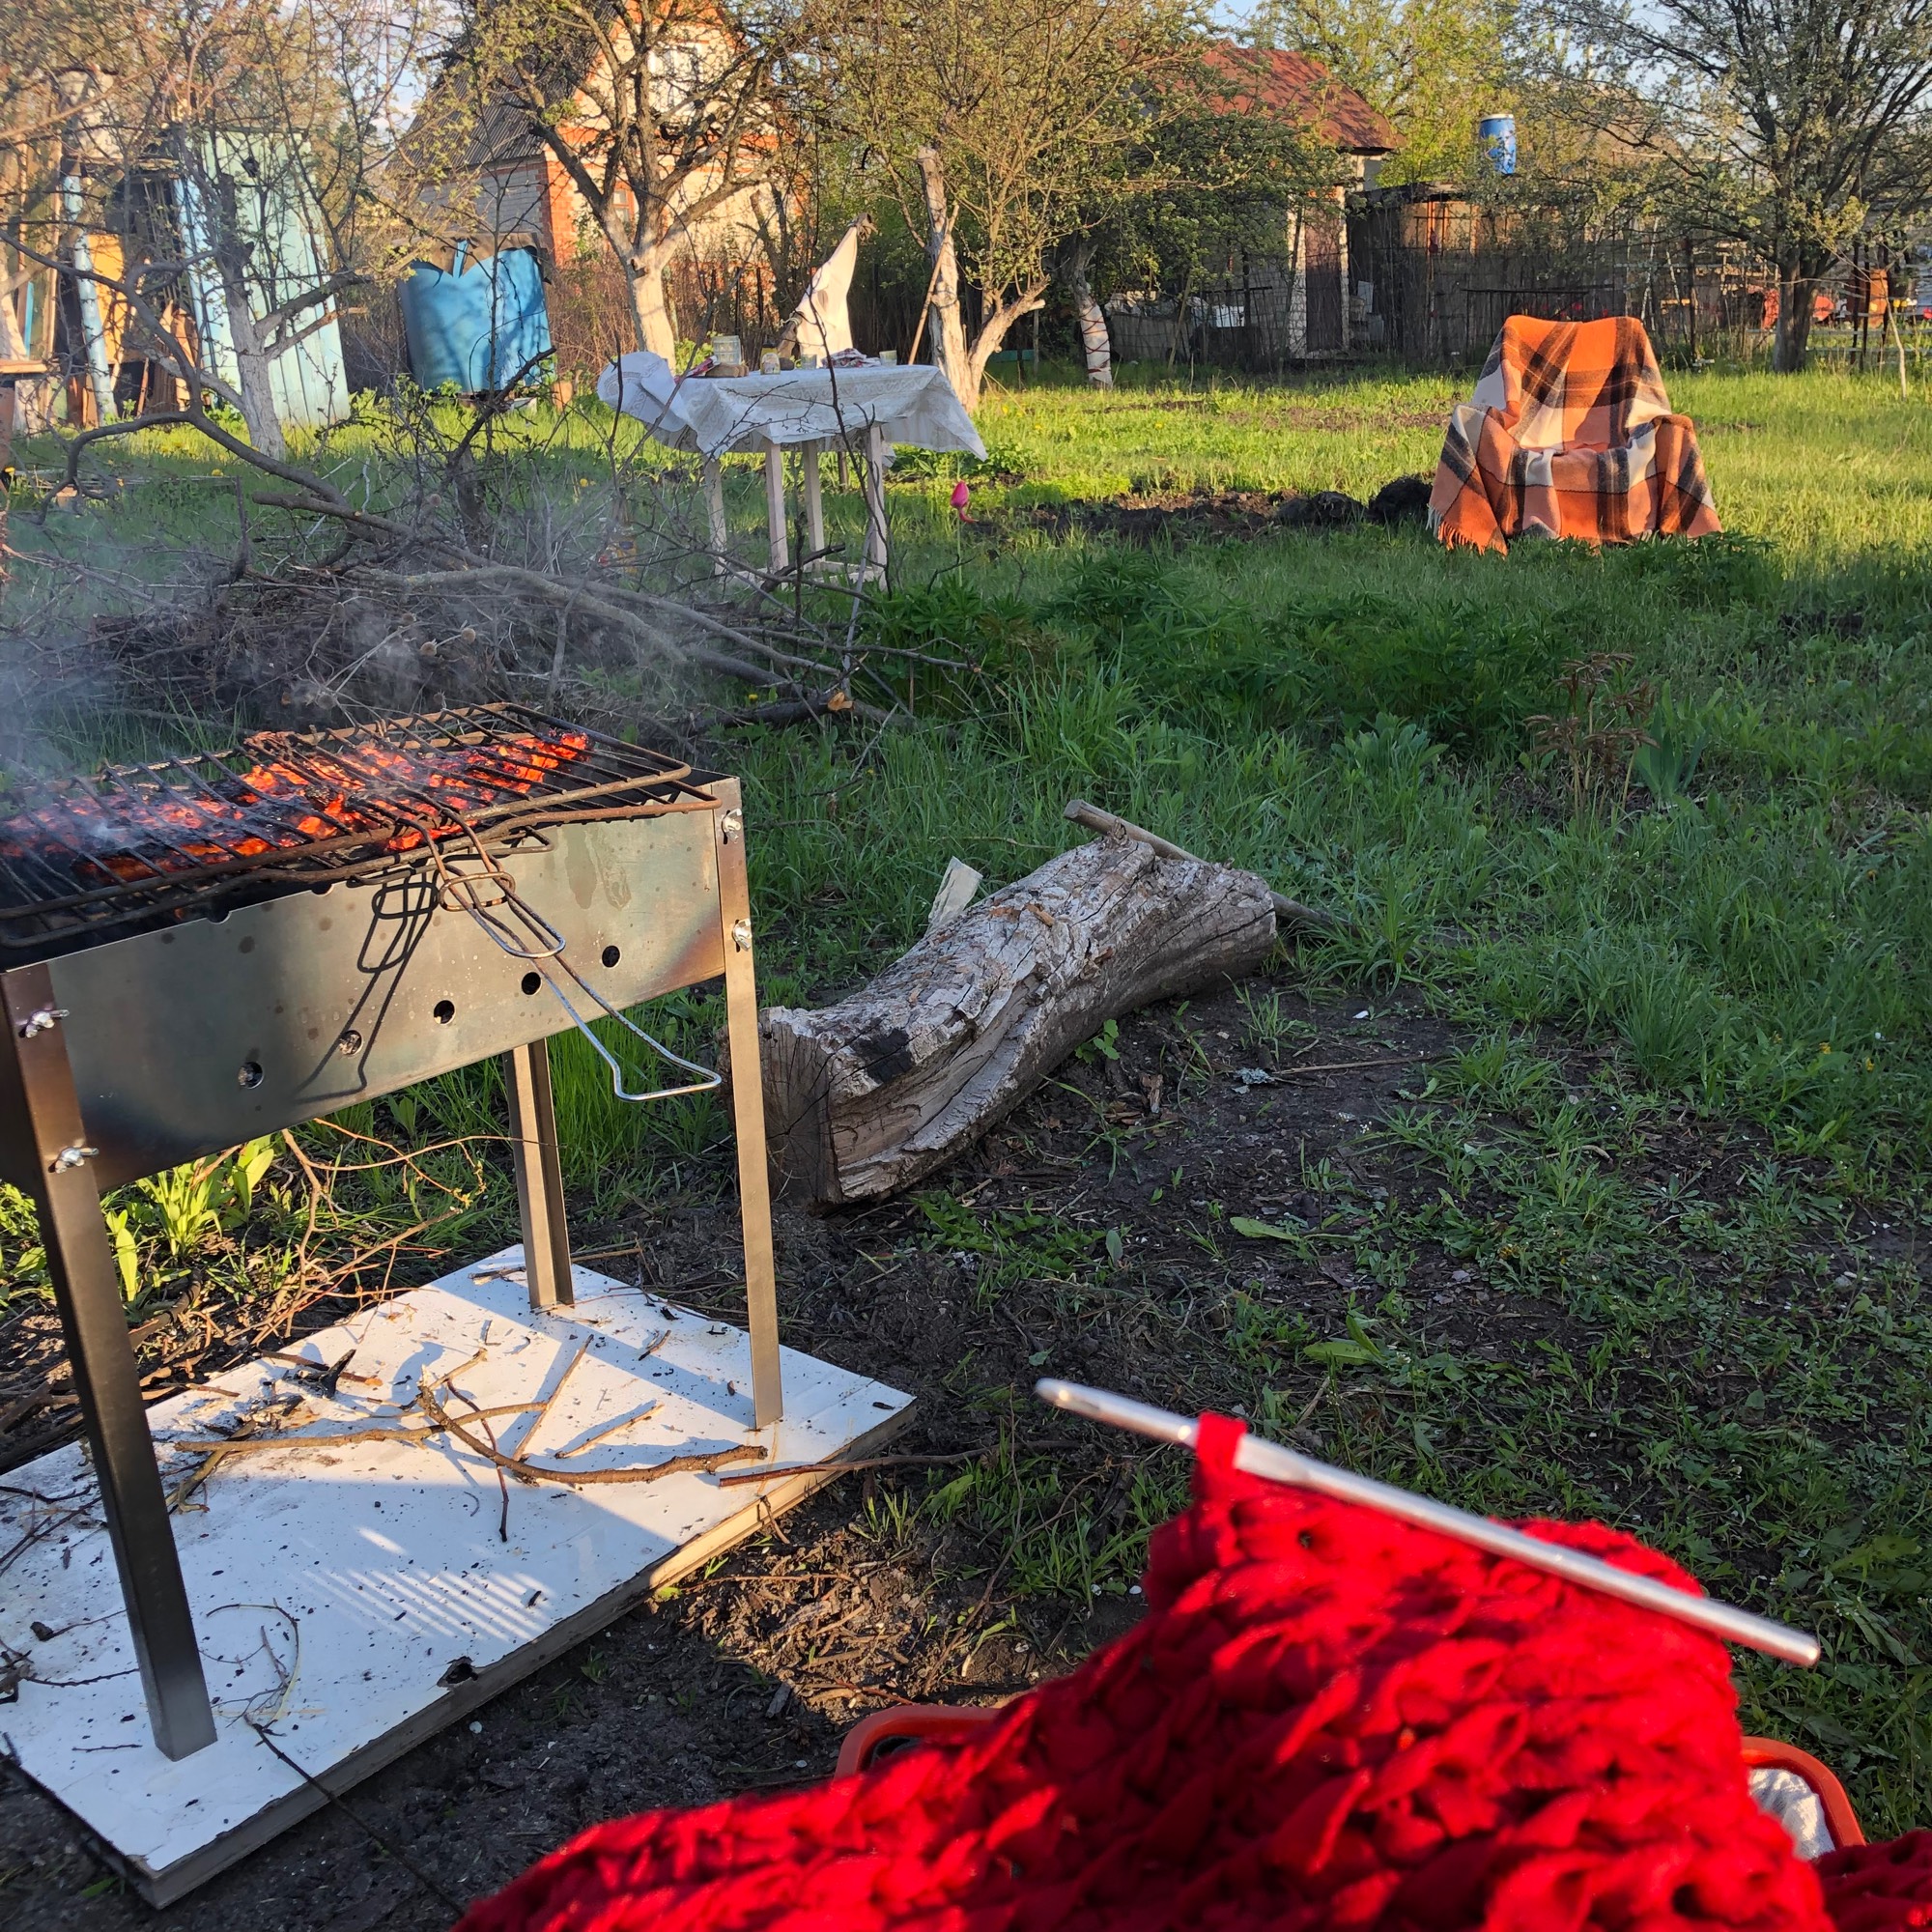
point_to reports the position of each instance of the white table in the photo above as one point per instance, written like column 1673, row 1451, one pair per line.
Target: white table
column 863, row 411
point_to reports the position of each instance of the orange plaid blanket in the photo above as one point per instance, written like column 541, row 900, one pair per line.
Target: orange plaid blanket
column 1570, row 434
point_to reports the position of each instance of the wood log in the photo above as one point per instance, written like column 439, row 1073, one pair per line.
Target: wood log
column 863, row 1097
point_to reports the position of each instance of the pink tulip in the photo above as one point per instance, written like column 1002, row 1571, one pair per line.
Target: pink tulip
column 962, row 495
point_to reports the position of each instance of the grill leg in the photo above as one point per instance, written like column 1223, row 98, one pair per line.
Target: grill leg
column 748, row 1109
column 87, row 1291
column 539, row 1175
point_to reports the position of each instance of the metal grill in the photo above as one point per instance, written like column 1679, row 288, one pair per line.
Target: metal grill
column 138, row 845
column 200, row 951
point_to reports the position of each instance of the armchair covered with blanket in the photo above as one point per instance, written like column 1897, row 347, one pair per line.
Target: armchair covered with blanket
column 1570, row 434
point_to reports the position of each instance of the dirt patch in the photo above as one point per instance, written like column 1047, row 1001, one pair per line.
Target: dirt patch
column 1208, row 515
column 1092, row 1235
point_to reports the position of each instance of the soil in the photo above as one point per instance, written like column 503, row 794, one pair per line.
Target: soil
column 1145, row 520
column 747, row 1678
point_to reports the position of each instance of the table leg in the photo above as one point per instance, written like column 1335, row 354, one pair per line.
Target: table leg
column 775, row 507
column 875, row 500
column 812, row 488
column 714, row 512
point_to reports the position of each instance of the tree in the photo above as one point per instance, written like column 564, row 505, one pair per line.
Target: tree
column 1216, row 172
column 663, row 114
column 1432, row 66
column 1785, row 124
column 994, row 129
column 232, row 148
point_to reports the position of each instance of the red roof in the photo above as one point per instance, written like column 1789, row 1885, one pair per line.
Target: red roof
column 1304, row 91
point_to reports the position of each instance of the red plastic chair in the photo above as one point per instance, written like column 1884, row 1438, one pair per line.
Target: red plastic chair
column 873, row 1737
column 884, row 1731
column 1840, row 1820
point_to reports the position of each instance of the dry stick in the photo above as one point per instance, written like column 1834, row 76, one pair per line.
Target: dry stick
column 673, row 1465
column 1294, row 1072
column 837, row 1468
column 324, row 1439
column 502, row 1481
column 421, row 1877
column 1096, row 820
column 529, row 1435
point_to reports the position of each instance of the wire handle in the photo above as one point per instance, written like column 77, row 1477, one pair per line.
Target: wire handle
column 1271, row 1460
column 546, row 952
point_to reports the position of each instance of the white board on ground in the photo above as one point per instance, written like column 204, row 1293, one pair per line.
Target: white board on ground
column 357, row 1598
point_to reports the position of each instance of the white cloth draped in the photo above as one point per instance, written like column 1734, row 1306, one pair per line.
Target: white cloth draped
column 715, row 415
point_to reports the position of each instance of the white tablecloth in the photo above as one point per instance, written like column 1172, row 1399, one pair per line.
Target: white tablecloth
column 716, row 415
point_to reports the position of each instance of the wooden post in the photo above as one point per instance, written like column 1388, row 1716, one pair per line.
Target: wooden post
column 748, row 1110
column 714, row 511
column 876, row 558
column 775, row 507
column 810, row 488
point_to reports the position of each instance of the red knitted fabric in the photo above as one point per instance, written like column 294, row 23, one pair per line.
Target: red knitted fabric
column 1880, row 1888
column 1327, row 1719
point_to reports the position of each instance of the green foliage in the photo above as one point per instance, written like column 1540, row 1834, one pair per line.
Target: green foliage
column 1667, row 763
column 1432, row 66
column 156, row 1226
column 1209, row 181
column 1466, row 672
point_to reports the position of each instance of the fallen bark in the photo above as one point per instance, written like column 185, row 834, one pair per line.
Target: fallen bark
column 864, row 1097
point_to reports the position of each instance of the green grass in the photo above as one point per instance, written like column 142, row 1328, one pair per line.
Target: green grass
column 1350, row 715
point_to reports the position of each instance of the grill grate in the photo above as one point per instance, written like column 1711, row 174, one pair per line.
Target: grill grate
column 86, row 860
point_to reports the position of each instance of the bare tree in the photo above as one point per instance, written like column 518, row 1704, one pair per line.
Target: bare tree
column 663, row 114
column 1786, row 124
column 994, row 126
column 234, row 149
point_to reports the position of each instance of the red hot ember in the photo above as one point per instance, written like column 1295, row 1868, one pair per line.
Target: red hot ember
column 297, row 793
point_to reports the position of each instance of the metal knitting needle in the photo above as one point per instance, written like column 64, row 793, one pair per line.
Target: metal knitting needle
column 1282, row 1465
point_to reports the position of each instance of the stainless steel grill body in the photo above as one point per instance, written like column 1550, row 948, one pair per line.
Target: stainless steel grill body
column 212, row 949
column 208, row 1032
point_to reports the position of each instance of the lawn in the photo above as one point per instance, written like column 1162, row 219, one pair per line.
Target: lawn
column 1634, row 1227
column 1729, row 1208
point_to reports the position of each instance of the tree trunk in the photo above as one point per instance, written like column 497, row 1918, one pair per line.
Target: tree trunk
column 945, row 330
column 649, row 309
column 866, row 1096
column 1796, row 285
column 986, row 344
column 1094, row 344
column 251, row 364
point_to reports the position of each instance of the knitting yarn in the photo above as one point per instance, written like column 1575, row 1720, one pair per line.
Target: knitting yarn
column 1327, row 1719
